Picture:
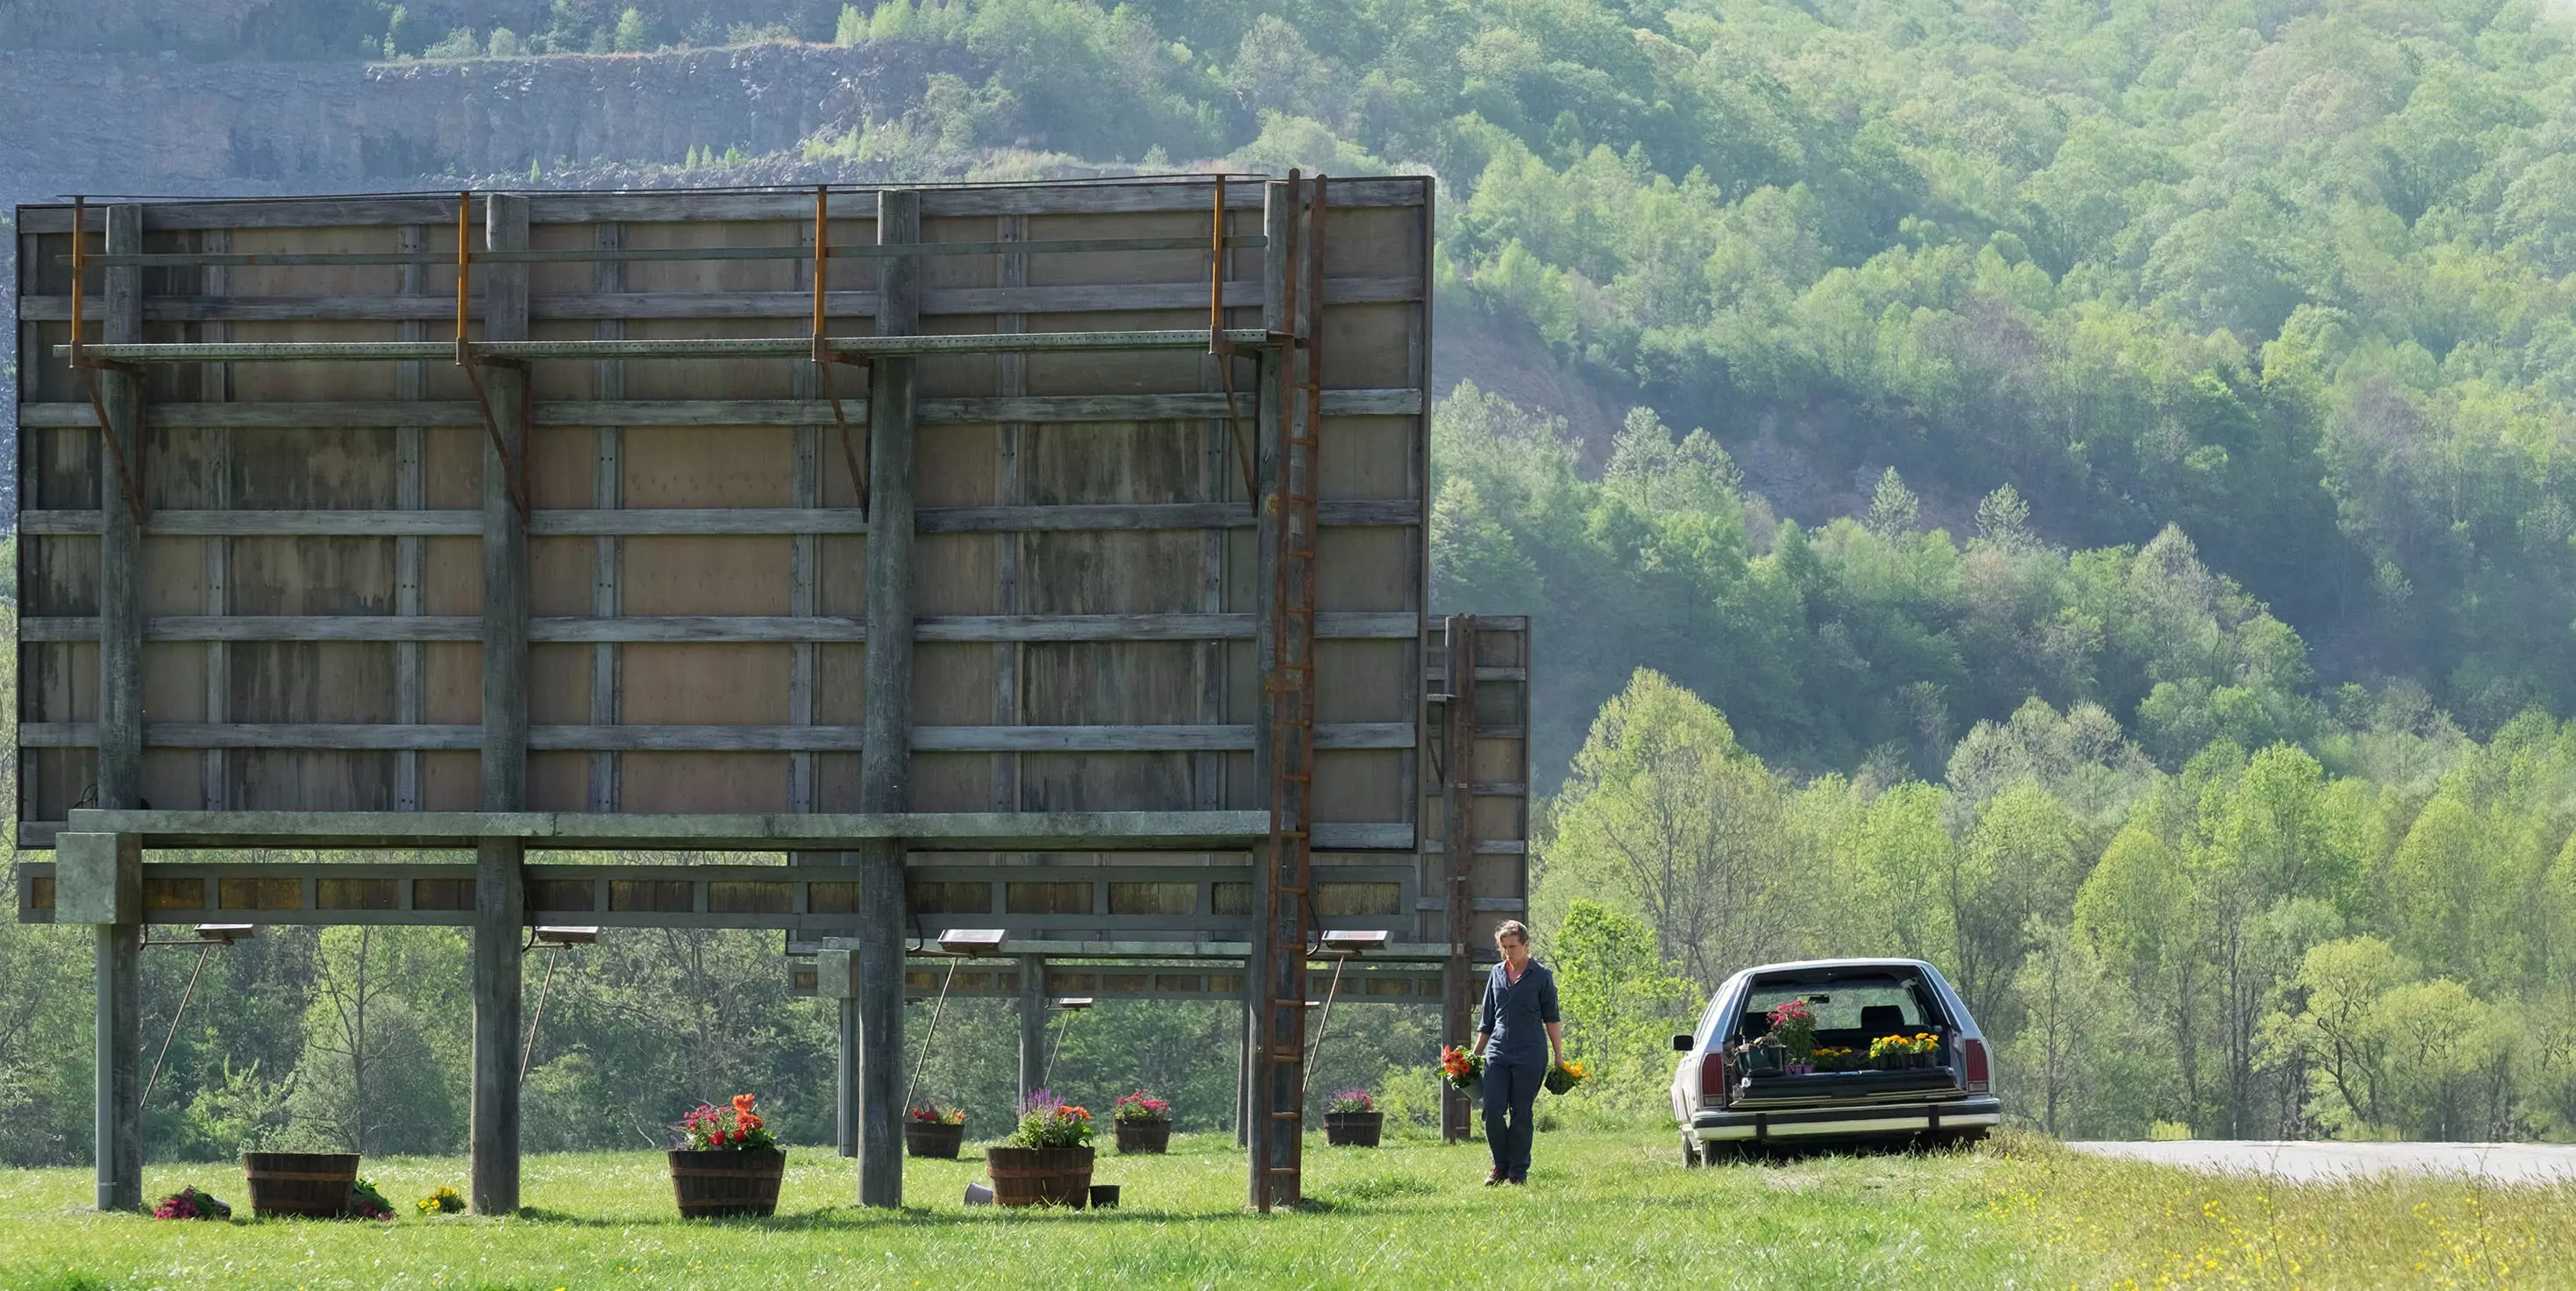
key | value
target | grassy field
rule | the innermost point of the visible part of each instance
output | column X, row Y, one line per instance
column 1604, row 1210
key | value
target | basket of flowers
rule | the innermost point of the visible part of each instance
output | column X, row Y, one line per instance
column 934, row 1130
column 1047, row 1160
column 1463, row 1070
column 1898, row 1052
column 724, row 1161
column 1144, row 1123
column 1352, row 1120
column 1564, row 1076
column 191, row 1202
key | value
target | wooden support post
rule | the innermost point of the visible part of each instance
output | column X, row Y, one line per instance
column 500, row 905
column 120, row 728
column 1274, row 1140
column 1458, row 863
column 1033, row 1023
column 885, row 757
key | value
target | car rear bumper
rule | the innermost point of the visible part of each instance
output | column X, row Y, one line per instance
column 1877, row 1120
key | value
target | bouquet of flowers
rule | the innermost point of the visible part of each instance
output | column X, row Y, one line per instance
column 367, row 1203
column 735, row 1128
column 1141, row 1106
column 1460, row 1068
column 937, row 1114
column 445, row 1201
column 191, row 1203
column 1047, row 1121
column 1351, row 1100
column 1564, row 1076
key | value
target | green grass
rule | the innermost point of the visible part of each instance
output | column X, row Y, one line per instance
column 1602, row 1209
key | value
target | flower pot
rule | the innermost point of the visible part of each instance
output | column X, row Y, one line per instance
column 1353, row 1129
column 312, row 1184
column 727, row 1181
column 1039, row 1176
column 932, row 1139
column 1144, row 1136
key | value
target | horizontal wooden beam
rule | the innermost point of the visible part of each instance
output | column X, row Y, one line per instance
column 1105, row 298
column 727, row 347
column 642, row 522
column 712, row 739
column 651, row 255
column 1398, row 626
column 796, row 205
column 1036, row 409
column 1114, row 831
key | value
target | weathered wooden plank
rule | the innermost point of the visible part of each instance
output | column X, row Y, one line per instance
column 120, row 562
column 729, row 347
column 1120, row 196
column 1175, row 831
column 714, row 628
column 725, row 739
column 617, row 255
column 1039, row 409
column 500, row 894
column 741, row 520
column 1082, row 299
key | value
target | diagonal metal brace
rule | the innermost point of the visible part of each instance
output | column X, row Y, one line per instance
column 514, row 472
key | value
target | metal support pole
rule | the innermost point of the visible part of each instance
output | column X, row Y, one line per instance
column 528, row 1052
column 1306, row 1084
column 930, row 1035
column 1033, row 971
column 885, row 759
column 175, row 1015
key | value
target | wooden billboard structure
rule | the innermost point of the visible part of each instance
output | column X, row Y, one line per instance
column 1058, row 566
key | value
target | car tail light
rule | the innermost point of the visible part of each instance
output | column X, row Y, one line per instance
column 1712, row 1075
column 1975, row 1050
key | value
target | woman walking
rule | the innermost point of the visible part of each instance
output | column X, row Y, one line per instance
column 1518, row 1036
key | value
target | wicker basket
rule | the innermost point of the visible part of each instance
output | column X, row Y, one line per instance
column 1144, row 1136
column 727, row 1181
column 312, row 1184
column 1039, row 1176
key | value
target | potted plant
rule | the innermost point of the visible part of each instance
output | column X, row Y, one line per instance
column 1144, row 1123
column 443, row 1201
column 1564, row 1076
column 1352, row 1120
column 191, row 1202
column 1793, row 1028
column 1463, row 1070
column 724, row 1161
column 1047, row 1159
column 1833, row 1059
column 934, row 1130
column 366, row 1202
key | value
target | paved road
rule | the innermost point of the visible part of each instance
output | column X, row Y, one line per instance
column 2497, row 1162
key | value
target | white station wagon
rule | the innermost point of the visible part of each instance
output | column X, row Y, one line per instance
column 1731, row 1095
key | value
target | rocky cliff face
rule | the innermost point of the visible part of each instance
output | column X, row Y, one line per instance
column 101, row 124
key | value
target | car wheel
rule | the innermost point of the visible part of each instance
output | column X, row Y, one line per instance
column 1690, row 1152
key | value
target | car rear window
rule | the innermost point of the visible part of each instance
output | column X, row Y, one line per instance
column 1838, row 1004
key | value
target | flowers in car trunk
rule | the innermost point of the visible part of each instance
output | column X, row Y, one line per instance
column 1793, row 1027
column 1835, row 1058
column 1140, row 1106
column 1047, row 1121
column 731, row 1129
column 1460, row 1068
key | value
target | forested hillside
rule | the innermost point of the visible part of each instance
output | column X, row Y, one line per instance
column 2095, row 515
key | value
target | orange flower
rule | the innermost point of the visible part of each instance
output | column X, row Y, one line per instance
column 742, row 1103
column 746, row 1121
column 1084, row 1114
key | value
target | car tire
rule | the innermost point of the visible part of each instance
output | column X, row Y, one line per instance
column 1691, row 1159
